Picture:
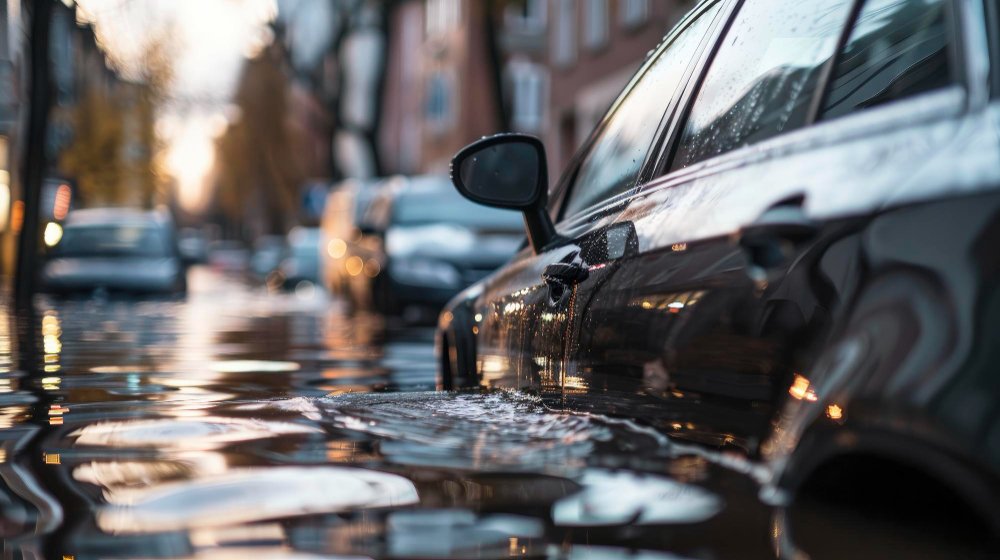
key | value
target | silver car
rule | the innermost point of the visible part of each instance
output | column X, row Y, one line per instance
column 115, row 249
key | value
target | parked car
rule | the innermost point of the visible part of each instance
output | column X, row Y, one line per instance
column 423, row 243
column 193, row 246
column 437, row 243
column 301, row 265
column 229, row 256
column 345, row 233
column 268, row 252
column 780, row 242
column 115, row 249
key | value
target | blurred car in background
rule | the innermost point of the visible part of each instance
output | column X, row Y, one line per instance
column 268, row 252
column 347, row 233
column 114, row 249
column 301, row 267
column 228, row 255
column 435, row 243
column 192, row 244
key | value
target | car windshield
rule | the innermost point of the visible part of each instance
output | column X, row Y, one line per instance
column 111, row 241
column 447, row 206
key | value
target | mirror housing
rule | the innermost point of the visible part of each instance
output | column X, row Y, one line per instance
column 508, row 171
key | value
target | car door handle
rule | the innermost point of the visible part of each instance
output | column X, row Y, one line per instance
column 561, row 276
column 766, row 240
column 565, row 274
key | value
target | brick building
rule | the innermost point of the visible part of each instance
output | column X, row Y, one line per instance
column 458, row 70
column 595, row 46
column 440, row 89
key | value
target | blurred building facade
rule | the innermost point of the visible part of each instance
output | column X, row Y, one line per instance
column 381, row 87
column 307, row 113
column 458, row 70
column 403, row 84
column 595, row 46
column 335, row 52
column 101, row 137
column 441, row 84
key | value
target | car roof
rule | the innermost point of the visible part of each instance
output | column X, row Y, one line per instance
column 117, row 216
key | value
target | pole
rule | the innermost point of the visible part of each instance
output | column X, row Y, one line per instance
column 33, row 171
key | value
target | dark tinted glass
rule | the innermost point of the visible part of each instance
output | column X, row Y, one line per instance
column 616, row 156
column 897, row 48
column 764, row 75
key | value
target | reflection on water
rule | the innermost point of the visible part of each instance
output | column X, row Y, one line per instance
column 238, row 424
column 619, row 498
column 242, row 495
column 173, row 433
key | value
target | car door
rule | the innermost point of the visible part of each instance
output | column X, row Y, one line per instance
column 749, row 244
column 527, row 318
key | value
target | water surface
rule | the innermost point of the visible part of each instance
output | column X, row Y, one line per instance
column 237, row 423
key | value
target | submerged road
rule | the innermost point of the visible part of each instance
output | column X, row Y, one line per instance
column 240, row 424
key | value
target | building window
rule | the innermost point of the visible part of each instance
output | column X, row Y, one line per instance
column 564, row 33
column 439, row 103
column 443, row 16
column 526, row 14
column 596, row 23
column 633, row 13
column 527, row 94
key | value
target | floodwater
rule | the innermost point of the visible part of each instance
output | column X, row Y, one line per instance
column 238, row 424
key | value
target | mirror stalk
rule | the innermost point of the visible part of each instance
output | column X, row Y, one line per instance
column 541, row 230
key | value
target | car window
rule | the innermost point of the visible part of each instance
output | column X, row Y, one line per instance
column 897, row 48
column 617, row 154
column 449, row 207
column 764, row 75
column 111, row 241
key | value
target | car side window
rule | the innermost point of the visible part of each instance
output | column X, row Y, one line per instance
column 764, row 75
column 615, row 157
column 897, row 48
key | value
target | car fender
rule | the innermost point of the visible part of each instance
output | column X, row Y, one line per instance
column 455, row 341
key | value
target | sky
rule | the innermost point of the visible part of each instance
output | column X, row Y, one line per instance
column 208, row 40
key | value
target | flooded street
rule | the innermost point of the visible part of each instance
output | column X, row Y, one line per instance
column 237, row 424
column 446, row 279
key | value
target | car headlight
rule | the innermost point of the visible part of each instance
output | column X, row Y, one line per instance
column 425, row 272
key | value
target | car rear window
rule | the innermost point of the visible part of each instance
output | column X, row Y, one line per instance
column 111, row 241
column 897, row 49
column 763, row 78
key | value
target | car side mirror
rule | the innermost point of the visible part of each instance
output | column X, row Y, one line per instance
column 508, row 171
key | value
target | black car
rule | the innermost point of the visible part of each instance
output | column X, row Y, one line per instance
column 782, row 242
